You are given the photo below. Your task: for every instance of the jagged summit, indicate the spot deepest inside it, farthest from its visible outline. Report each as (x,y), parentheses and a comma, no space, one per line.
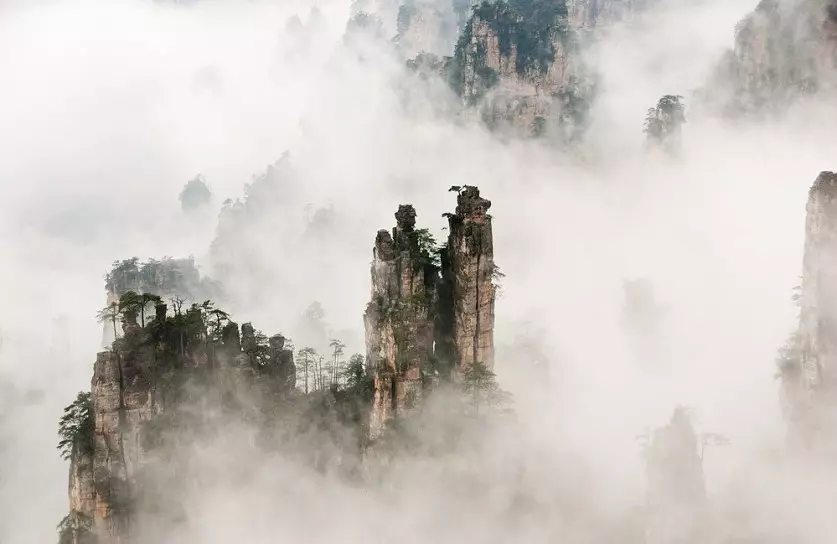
(405,217)
(471,206)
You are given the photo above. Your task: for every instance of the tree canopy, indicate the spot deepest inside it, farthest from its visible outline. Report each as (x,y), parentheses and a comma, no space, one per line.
(75,428)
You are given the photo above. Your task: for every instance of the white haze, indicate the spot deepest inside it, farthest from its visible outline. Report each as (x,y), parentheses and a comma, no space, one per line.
(108,107)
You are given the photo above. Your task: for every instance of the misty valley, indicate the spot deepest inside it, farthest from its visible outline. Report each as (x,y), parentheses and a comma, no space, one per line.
(514,271)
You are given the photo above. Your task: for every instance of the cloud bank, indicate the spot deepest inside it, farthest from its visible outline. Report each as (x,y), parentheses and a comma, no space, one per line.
(110,107)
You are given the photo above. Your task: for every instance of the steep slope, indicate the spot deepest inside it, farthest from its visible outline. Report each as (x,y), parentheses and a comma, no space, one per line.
(784,50)
(810,373)
(173,381)
(520,66)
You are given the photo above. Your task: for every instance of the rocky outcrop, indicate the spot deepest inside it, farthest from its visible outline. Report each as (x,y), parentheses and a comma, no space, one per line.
(522,72)
(427,26)
(78,526)
(784,50)
(399,320)
(469,269)
(282,361)
(812,386)
(663,124)
(111,438)
(174,373)
(677,502)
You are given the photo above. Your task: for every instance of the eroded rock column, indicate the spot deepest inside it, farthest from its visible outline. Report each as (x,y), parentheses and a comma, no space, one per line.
(399,320)
(814,405)
(282,360)
(469,269)
(110,476)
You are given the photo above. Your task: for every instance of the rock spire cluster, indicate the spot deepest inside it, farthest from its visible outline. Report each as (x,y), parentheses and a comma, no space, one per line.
(432,310)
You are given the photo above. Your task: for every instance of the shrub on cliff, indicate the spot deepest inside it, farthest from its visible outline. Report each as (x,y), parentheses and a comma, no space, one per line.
(75,428)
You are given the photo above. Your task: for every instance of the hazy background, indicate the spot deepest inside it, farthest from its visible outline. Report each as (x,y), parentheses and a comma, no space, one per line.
(108,107)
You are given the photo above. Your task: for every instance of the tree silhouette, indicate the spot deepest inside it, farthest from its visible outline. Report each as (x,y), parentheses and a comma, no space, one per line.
(663,122)
(480,385)
(130,303)
(109,313)
(144,300)
(307,358)
(75,429)
(336,351)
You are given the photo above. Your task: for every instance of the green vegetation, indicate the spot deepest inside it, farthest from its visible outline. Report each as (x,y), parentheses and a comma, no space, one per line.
(358,380)
(109,314)
(306,365)
(166,277)
(75,428)
(663,122)
(133,304)
(529,27)
(479,383)
(576,101)
(76,528)
(789,356)
(424,243)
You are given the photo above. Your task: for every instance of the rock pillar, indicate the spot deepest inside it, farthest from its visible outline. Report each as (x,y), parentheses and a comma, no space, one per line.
(399,319)
(814,401)
(469,269)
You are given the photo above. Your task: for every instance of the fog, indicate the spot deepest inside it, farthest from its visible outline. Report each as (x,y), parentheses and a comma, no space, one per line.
(108,108)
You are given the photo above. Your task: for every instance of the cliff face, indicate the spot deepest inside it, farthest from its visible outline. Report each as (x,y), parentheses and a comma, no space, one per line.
(520,66)
(677,501)
(784,50)
(145,388)
(812,386)
(399,320)
(429,26)
(524,71)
